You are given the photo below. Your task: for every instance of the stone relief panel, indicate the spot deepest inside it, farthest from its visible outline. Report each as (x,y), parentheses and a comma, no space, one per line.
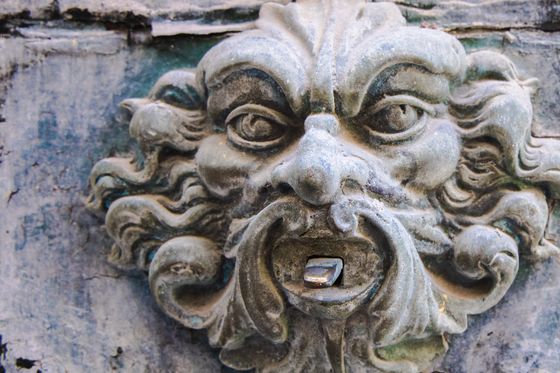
(332,191)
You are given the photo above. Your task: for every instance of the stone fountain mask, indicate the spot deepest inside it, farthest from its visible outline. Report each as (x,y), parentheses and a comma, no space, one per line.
(333,190)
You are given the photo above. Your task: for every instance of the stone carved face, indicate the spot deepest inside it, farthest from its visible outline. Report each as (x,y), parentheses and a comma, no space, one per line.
(333,190)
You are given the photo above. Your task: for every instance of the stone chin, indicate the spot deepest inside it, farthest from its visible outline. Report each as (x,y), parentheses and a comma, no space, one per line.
(333,190)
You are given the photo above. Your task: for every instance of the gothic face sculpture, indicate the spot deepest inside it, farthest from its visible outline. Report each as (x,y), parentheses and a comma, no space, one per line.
(333,190)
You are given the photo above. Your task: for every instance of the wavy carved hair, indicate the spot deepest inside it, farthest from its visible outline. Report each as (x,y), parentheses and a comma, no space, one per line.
(501,158)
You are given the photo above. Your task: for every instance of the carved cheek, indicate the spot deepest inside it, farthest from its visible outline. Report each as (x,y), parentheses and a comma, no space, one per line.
(222,168)
(433,158)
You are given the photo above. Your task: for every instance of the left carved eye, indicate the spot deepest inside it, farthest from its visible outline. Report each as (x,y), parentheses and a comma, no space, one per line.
(397,118)
(256,127)
(253,127)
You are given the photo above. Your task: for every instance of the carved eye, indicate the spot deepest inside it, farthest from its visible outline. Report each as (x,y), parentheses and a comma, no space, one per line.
(256,127)
(253,127)
(398,118)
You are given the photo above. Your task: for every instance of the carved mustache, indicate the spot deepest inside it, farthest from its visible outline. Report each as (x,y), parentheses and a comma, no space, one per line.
(180,263)
(251,246)
(257,300)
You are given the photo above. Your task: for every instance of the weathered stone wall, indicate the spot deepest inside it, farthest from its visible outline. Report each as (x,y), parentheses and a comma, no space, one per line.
(65,65)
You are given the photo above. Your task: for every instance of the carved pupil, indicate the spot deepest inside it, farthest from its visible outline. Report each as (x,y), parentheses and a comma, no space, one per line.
(396,118)
(252,127)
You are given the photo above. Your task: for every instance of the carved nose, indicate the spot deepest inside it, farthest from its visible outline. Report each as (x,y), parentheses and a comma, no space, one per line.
(319,165)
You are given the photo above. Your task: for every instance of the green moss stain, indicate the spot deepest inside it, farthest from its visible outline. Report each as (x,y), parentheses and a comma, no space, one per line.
(163,55)
(487,42)
(416,350)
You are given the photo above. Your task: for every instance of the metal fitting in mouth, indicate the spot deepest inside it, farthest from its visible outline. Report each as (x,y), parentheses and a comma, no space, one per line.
(322,272)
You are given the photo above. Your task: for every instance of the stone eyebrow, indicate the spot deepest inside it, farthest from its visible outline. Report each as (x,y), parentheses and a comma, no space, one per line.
(412,79)
(252,50)
(433,50)
(248,71)
(246,86)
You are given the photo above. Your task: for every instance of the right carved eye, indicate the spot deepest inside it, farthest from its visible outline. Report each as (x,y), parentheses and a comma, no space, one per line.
(256,127)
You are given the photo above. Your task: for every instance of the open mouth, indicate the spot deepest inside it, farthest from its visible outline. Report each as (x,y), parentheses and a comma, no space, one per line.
(324,262)
(329,275)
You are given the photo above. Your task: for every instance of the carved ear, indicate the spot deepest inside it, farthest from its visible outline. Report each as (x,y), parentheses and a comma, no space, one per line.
(173,116)
(178,88)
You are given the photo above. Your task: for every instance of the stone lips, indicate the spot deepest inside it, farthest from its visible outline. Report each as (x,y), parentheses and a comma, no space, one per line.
(364,253)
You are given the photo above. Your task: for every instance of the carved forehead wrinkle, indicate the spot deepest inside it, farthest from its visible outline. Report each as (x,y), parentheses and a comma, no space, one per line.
(319,30)
(297,24)
(304,22)
(244,87)
(436,51)
(256,50)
